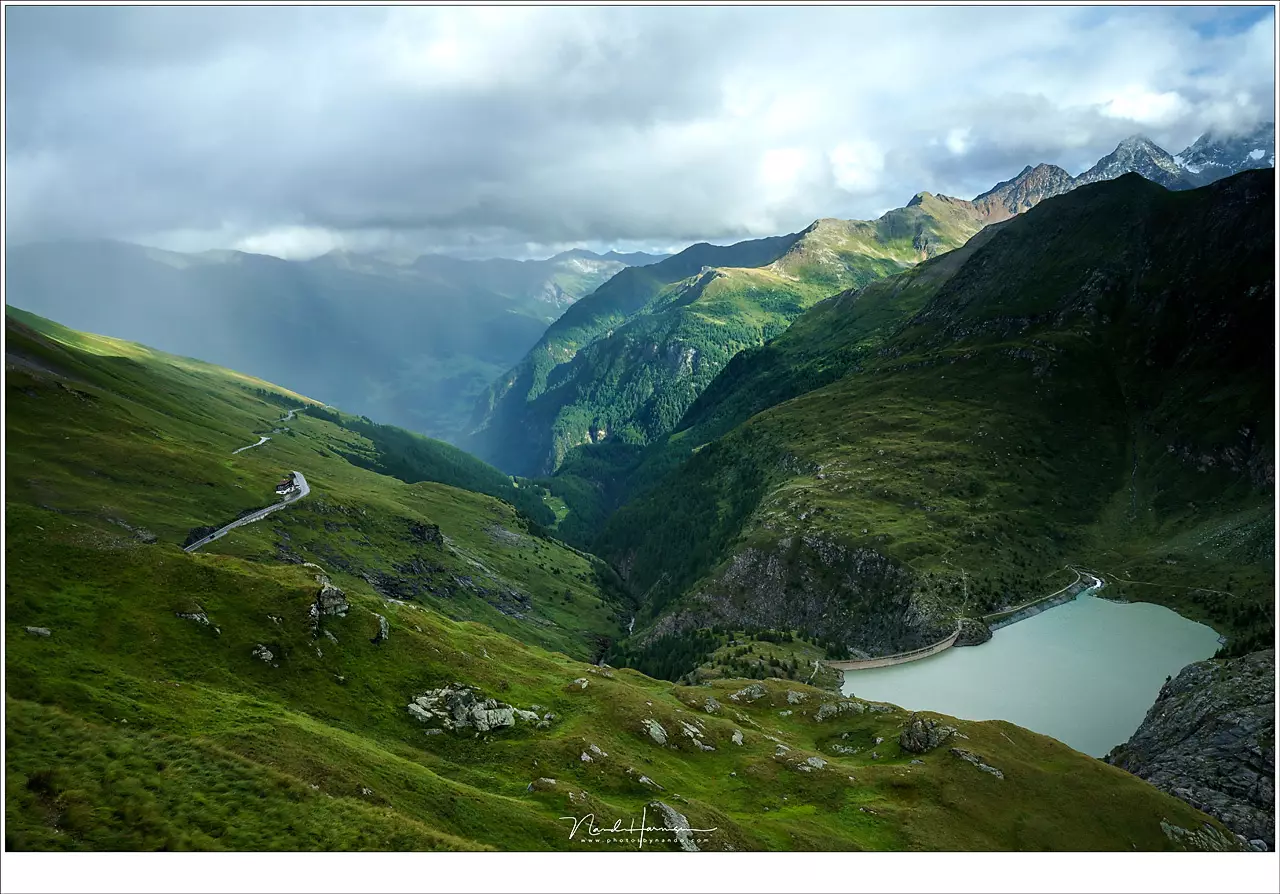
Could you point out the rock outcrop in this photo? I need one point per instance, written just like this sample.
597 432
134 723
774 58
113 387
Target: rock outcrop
330 600
1209 739
460 707
977 761
973 632
923 734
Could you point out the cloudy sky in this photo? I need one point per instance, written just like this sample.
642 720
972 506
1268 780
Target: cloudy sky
522 131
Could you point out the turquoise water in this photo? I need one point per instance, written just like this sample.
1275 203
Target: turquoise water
1084 673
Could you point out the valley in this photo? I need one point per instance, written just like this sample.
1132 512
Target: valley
253 694
940 426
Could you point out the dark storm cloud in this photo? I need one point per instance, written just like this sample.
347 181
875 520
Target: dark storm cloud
293 130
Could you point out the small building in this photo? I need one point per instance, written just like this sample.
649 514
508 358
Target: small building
287 485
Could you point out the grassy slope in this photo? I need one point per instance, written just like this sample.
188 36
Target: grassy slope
633 374
1033 404
131 728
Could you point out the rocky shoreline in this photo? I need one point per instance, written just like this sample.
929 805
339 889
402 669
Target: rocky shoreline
1209 739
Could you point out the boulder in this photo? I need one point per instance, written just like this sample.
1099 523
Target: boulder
330 601
460 707
677 823
752 692
836 708
795 698
39 631
711 706
923 734
737 737
655 731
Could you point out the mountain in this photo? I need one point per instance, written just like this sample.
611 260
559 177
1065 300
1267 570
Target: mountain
1213 157
627 361
383 665
1138 155
1087 379
1022 193
408 343
634 356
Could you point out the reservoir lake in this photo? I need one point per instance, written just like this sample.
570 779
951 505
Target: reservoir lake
1085 672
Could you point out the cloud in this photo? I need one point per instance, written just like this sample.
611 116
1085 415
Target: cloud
516 129
1146 107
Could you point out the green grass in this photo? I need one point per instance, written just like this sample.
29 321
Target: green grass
130 728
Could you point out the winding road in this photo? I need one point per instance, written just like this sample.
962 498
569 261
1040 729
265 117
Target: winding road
262 439
257 515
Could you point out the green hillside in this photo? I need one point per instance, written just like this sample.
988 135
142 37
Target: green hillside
227 699
1087 382
627 361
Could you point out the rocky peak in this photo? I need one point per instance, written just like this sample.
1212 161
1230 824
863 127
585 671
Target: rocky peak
1023 192
1214 156
1139 155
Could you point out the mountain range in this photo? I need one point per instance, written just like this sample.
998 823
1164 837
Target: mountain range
1088 377
845 442
412 343
632 357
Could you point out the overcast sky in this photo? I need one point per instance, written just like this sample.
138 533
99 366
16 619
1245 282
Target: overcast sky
522 131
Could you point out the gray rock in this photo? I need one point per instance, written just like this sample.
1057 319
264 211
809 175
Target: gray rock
262 652
834 709
581 683
330 601
585 758
655 731
977 762
597 751
1206 838
677 823
923 734
459 707
737 737
39 631
795 698
752 692
837 748
816 762
711 706
1209 739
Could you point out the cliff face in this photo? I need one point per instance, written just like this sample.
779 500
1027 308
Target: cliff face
1209 739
